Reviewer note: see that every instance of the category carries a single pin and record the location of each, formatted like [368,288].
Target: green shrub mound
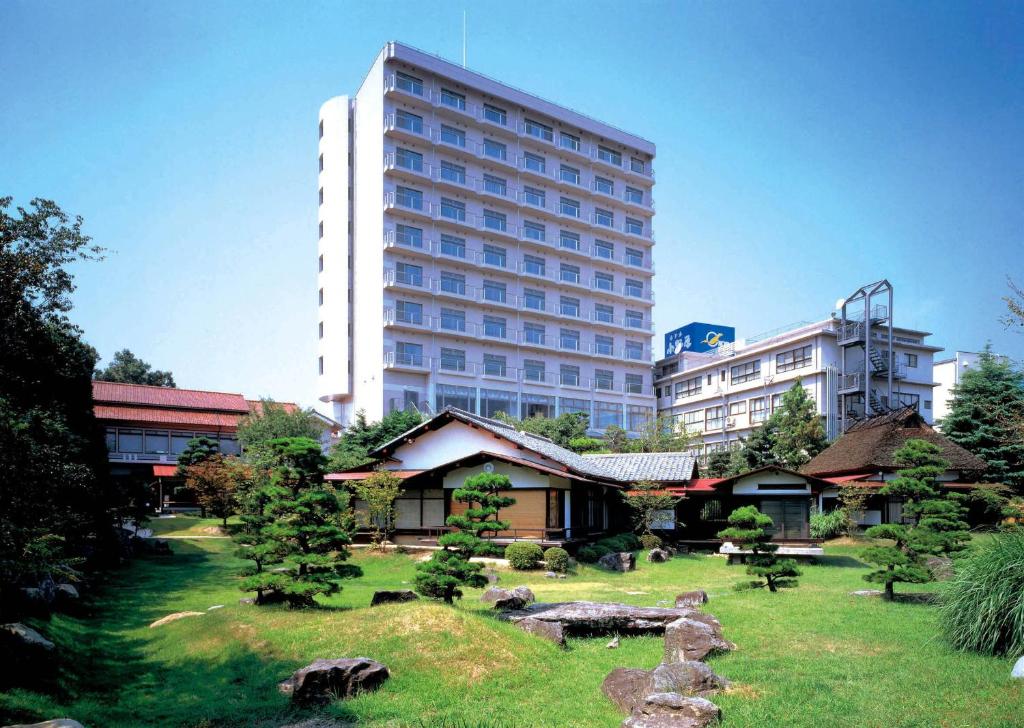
[523,556]
[983,605]
[590,553]
[557,559]
[828,525]
[650,541]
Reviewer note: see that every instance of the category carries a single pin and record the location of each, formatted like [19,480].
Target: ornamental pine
[747,528]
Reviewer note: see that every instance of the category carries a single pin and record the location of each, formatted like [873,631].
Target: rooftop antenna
[463,38]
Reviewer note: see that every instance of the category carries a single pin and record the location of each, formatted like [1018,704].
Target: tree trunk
[889,594]
[771,584]
[449,595]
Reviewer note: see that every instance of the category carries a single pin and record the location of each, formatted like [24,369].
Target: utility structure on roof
[867,363]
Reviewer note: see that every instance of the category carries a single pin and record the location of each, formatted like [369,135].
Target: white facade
[483,248]
[724,396]
[947,376]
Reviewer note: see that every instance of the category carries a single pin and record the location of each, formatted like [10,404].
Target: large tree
[569,429]
[127,368]
[984,417]
[755,451]
[747,528]
[361,437]
[380,491]
[272,421]
[645,499]
[216,482]
[799,434]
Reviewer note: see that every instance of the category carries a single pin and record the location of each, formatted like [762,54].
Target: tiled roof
[154,415]
[256,406]
[147,396]
[657,466]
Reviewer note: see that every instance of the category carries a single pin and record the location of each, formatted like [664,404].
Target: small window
[570,241]
[604,379]
[495,220]
[604,217]
[320,264]
[569,207]
[569,174]
[321,195]
[494,149]
[569,375]
[569,141]
[634,195]
[452,172]
[634,288]
[637,165]
[320,297]
[634,257]
[634,320]
[604,281]
[320,365]
[453,283]
[538,130]
[533,300]
[494,291]
[534,163]
[569,273]
[634,350]
[634,226]
[609,155]
[534,196]
[493,255]
[453,136]
[407,159]
[910,360]
[495,185]
[604,313]
[533,231]
[604,250]
[453,99]
[605,186]
[453,246]
[533,265]
[320,330]
[495,115]
[321,163]
[321,135]
[569,339]
[604,345]
[453,209]
[568,306]
[495,365]
[409,83]
[409,122]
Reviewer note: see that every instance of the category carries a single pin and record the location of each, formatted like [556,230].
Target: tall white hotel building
[482,248]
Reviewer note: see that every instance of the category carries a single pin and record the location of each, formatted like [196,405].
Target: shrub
[523,556]
[591,553]
[557,559]
[650,541]
[983,605]
[829,525]
[621,542]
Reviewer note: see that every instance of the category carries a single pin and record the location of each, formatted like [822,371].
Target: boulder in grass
[594,619]
[55,723]
[392,596]
[626,687]
[687,678]
[623,561]
[551,631]
[17,635]
[494,594]
[323,680]
[672,710]
[524,593]
[658,556]
[694,598]
[691,639]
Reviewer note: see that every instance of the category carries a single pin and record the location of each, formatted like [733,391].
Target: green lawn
[182,525]
[811,656]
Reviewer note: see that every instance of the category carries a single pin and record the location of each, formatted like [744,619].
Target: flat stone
[672,710]
[1018,670]
[866,593]
[18,634]
[603,618]
[623,561]
[174,618]
[55,723]
[551,631]
[690,639]
[692,598]
[391,596]
[323,680]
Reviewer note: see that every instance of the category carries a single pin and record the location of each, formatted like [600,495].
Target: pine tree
[305,528]
[450,568]
[756,451]
[747,528]
[985,418]
[799,434]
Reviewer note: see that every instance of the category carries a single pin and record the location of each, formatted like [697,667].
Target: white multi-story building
[483,248]
[947,375]
[725,394]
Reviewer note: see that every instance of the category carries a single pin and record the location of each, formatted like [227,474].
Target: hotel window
[634,288]
[495,185]
[409,236]
[538,130]
[910,360]
[320,297]
[534,162]
[408,197]
[495,115]
[321,130]
[604,313]
[758,413]
[569,306]
[609,155]
[494,149]
[450,395]
[494,291]
[634,227]
[320,330]
[493,255]
[453,283]
[320,364]
[637,165]
[453,246]
[537,405]
[634,320]
[453,172]
[321,195]
[688,387]
[451,135]
[533,265]
[604,379]
[607,414]
[927,404]
[793,359]
[604,281]
[746,372]
[634,350]
[410,275]
[409,122]
[637,416]
[569,141]
[569,174]
[634,257]
[453,360]
[737,408]
[179,441]
[320,264]
[569,273]
[569,339]
[714,417]
[533,196]
[156,442]
[495,220]
[604,185]
[776,401]
[569,207]
[321,230]
[453,319]
[603,249]
[409,354]
[694,418]
[453,99]
[495,327]
[533,300]
[533,370]
[534,231]
[409,83]
[568,240]
[569,376]
[570,405]
[634,195]
[408,159]
[533,333]
[604,217]
[634,384]
[453,209]
[604,345]
[409,312]
[321,162]
[493,401]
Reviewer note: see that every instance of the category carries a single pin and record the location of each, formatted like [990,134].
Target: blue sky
[804,148]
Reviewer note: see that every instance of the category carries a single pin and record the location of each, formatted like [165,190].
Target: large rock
[601,618]
[390,596]
[524,593]
[672,710]
[55,723]
[692,639]
[624,561]
[174,618]
[687,678]
[494,594]
[17,635]
[692,598]
[324,680]
[551,631]
[626,687]
[658,556]
[1018,670]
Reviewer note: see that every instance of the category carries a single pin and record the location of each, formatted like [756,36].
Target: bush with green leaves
[556,560]
[983,605]
[829,525]
[523,555]
[621,542]
[590,553]
[747,528]
[650,541]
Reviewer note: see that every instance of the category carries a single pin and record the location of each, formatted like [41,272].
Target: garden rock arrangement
[692,598]
[658,556]
[15,635]
[623,561]
[595,619]
[391,596]
[55,723]
[551,631]
[504,599]
[324,680]
[671,710]
[694,639]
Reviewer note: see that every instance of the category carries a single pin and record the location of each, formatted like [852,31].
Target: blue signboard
[698,337]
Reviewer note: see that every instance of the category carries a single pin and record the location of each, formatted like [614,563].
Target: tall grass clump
[829,525]
[983,605]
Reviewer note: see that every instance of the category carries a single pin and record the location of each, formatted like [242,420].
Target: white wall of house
[749,485]
[521,477]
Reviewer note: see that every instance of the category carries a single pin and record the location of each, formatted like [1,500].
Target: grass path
[812,656]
